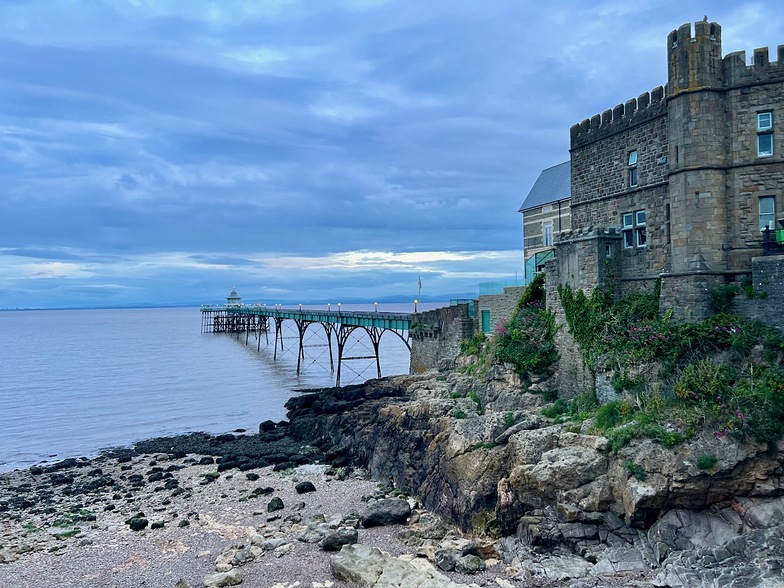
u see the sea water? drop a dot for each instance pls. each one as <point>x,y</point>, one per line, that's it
<point>74,382</point>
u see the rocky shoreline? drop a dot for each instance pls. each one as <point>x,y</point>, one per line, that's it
<point>497,496</point>
<point>168,513</point>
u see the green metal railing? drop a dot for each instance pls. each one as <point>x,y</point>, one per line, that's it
<point>381,320</point>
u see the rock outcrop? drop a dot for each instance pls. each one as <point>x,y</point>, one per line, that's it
<point>479,453</point>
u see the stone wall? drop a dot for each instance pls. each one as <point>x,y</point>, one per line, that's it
<point>500,306</point>
<point>768,282</point>
<point>588,258</point>
<point>436,335</point>
<point>572,377</point>
<point>601,194</point>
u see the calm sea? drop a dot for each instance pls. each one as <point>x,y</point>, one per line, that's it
<point>73,382</point>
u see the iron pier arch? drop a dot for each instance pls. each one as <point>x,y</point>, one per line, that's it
<point>247,319</point>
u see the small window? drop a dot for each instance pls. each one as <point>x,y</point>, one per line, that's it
<point>634,229</point>
<point>608,251</point>
<point>639,217</point>
<point>547,231</point>
<point>632,171</point>
<point>764,121</point>
<point>767,213</point>
<point>641,236</point>
<point>765,144</point>
<point>764,134</point>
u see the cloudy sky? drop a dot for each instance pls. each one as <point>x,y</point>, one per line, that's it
<point>164,151</point>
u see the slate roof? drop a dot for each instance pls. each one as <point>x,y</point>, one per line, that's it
<point>552,185</point>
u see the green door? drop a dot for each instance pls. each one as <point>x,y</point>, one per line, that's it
<point>485,321</point>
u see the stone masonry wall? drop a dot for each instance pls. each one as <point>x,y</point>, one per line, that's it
<point>587,259</point>
<point>601,194</point>
<point>571,375</point>
<point>437,334</point>
<point>768,281</point>
<point>757,176</point>
<point>501,306</point>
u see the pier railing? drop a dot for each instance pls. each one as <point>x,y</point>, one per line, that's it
<point>258,319</point>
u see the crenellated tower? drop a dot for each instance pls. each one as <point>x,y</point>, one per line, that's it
<point>683,183</point>
<point>698,248</point>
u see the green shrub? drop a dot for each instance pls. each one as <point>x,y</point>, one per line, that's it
<point>509,420</point>
<point>756,406</point>
<point>560,407</point>
<point>474,345</point>
<point>706,462</point>
<point>527,340</point>
<point>612,414</point>
<point>460,413</point>
<point>635,470</point>
<point>703,381</point>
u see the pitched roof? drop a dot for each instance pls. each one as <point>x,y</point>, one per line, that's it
<point>552,185</point>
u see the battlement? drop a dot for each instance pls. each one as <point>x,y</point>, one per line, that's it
<point>587,233</point>
<point>738,73</point>
<point>645,107</point>
<point>694,60</point>
<point>704,32</point>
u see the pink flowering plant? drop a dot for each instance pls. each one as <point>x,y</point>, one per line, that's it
<point>746,403</point>
<point>527,340</point>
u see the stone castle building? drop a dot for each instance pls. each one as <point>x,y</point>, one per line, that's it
<point>680,182</point>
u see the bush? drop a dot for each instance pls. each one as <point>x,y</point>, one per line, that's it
<point>757,406</point>
<point>703,381</point>
<point>706,462</point>
<point>527,340</point>
<point>474,345</point>
<point>612,414</point>
<point>558,408</point>
<point>635,470</point>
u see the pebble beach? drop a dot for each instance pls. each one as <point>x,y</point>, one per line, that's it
<point>173,519</point>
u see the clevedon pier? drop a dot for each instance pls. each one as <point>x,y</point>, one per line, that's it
<point>337,326</point>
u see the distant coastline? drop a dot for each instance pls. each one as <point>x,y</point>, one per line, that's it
<point>443,299</point>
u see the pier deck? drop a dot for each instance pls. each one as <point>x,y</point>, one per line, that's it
<point>247,319</point>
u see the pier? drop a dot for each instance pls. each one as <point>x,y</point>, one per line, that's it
<point>338,325</point>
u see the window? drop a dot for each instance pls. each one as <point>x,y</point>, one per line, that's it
<point>628,234</point>
<point>632,162</point>
<point>764,134</point>
<point>667,222</point>
<point>547,231</point>
<point>641,237</point>
<point>767,213</point>
<point>634,229</point>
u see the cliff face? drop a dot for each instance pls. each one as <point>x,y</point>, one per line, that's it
<point>478,452</point>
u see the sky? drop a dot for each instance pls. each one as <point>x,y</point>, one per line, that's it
<point>165,151</point>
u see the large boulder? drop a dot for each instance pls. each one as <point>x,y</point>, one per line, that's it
<point>372,568</point>
<point>388,511</point>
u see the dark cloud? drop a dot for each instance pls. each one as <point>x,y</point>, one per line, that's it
<point>148,150</point>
